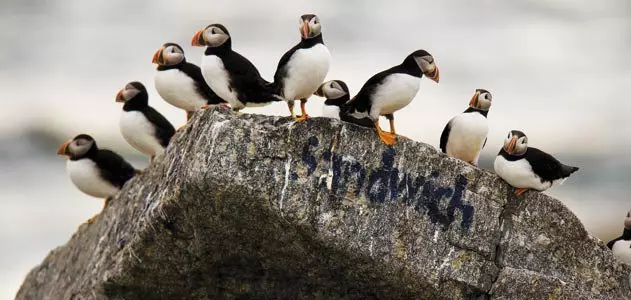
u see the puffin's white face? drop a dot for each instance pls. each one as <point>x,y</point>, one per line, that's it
<point>310,26</point>
<point>627,221</point>
<point>426,63</point>
<point>211,36</point>
<point>168,55</point>
<point>77,147</point>
<point>516,143</point>
<point>481,100</point>
<point>331,90</point>
<point>127,93</point>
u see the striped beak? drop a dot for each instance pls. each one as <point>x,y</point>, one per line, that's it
<point>435,76</point>
<point>198,39</point>
<point>511,145</point>
<point>474,100</point>
<point>119,97</point>
<point>63,149</point>
<point>158,57</point>
<point>305,29</point>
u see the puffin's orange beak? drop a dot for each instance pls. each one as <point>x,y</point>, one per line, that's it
<point>157,57</point>
<point>119,96</point>
<point>474,100</point>
<point>436,76</point>
<point>305,29</point>
<point>198,39</point>
<point>63,149</point>
<point>511,145</point>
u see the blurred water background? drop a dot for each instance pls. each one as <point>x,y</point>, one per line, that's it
<point>558,70</point>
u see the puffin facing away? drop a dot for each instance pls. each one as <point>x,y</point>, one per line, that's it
<point>391,90</point>
<point>621,246</point>
<point>526,168</point>
<point>336,94</point>
<point>142,126</point>
<point>181,83</point>
<point>303,68</point>
<point>465,135</point>
<point>97,172</point>
<point>231,76</point>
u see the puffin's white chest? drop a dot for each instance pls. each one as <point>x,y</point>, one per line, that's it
<point>179,90</point>
<point>467,135</point>
<point>519,174</point>
<point>140,133</point>
<point>87,178</point>
<point>331,111</point>
<point>218,79</point>
<point>306,70</point>
<point>395,92</point>
<point>622,250</point>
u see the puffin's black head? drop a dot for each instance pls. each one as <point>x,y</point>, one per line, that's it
<point>134,93</point>
<point>334,89</point>
<point>213,35</point>
<point>79,147</point>
<point>627,221</point>
<point>425,63</point>
<point>516,143</point>
<point>169,54</point>
<point>481,100</point>
<point>310,26</point>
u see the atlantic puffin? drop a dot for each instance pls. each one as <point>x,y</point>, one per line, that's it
<point>621,246</point>
<point>97,172</point>
<point>392,89</point>
<point>465,134</point>
<point>337,94</point>
<point>180,83</point>
<point>143,127</point>
<point>303,68</point>
<point>526,168</point>
<point>231,76</point>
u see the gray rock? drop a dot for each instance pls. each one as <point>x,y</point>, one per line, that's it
<point>262,207</point>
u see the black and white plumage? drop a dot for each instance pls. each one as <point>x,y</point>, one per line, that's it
<point>143,127</point>
<point>97,172</point>
<point>181,83</point>
<point>526,168</point>
<point>391,90</point>
<point>230,75</point>
<point>621,246</point>
<point>465,135</point>
<point>303,68</point>
<point>337,94</point>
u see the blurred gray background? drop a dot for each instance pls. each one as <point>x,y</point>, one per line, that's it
<point>558,70</point>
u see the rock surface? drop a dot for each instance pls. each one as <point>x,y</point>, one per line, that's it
<point>262,207</point>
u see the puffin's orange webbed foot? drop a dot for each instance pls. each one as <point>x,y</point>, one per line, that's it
<point>301,118</point>
<point>387,138</point>
<point>520,191</point>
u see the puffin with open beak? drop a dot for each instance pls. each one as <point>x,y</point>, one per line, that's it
<point>465,134</point>
<point>143,127</point>
<point>97,172</point>
<point>231,76</point>
<point>526,168</point>
<point>180,83</point>
<point>303,68</point>
<point>337,94</point>
<point>391,90</point>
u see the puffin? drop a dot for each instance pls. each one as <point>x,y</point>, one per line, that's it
<point>143,127</point>
<point>302,69</point>
<point>464,135</point>
<point>100,173</point>
<point>391,90</point>
<point>230,75</point>
<point>180,83</point>
<point>337,94</point>
<point>621,246</point>
<point>526,168</point>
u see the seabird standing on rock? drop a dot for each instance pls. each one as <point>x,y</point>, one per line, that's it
<point>231,76</point>
<point>391,90</point>
<point>142,126</point>
<point>621,246</point>
<point>97,172</point>
<point>465,134</point>
<point>303,68</point>
<point>526,168</point>
<point>337,94</point>
<point>181,83</point>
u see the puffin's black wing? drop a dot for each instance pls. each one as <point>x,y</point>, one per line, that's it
<point>610,244</point>
<point>164,129</point>
<point>362,101</point>
<point>444,137</point>
<point>281,69</point>
<point>546,166</point>
<point>246,79</point>
<point>113,167</point>
<point>203,89</point>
